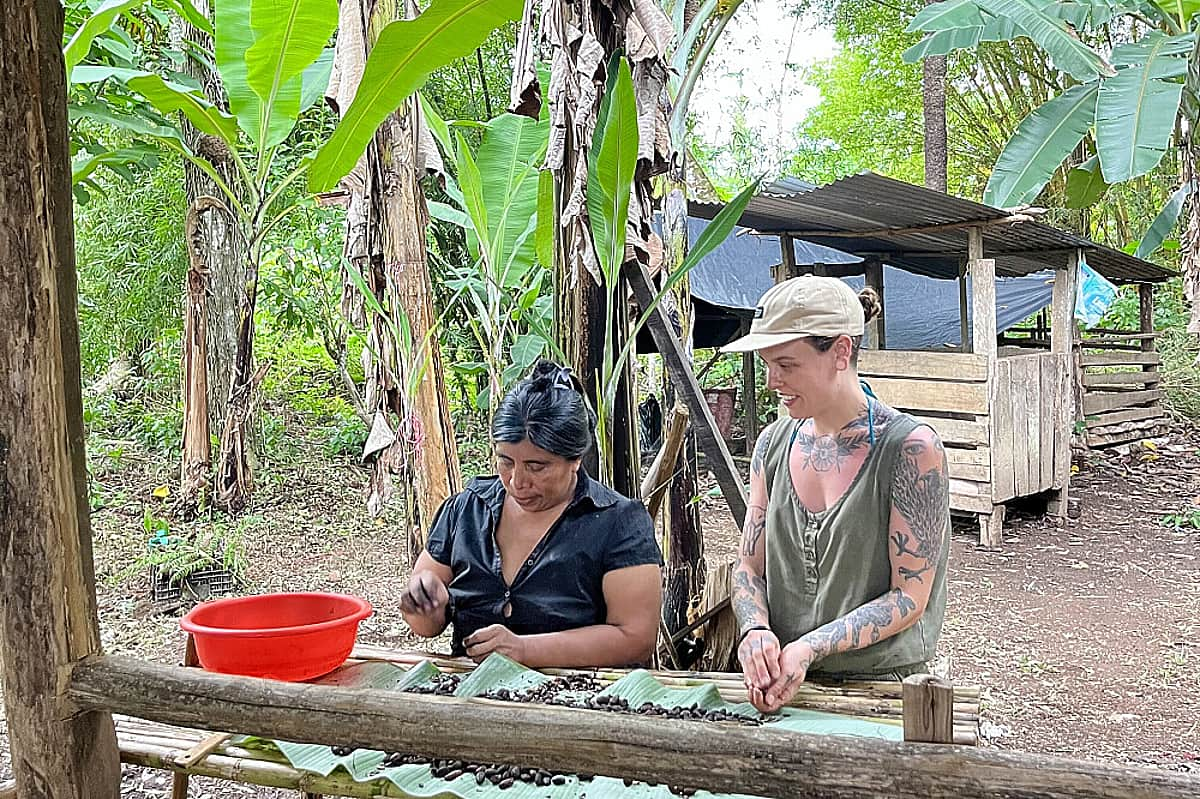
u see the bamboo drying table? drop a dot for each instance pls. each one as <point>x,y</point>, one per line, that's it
<point>197,752</point>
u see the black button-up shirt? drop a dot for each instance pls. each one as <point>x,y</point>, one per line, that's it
<point>560,585</point>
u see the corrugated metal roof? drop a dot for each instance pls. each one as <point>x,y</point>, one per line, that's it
<point>870,202</point>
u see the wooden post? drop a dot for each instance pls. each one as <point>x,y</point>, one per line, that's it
<point>749,394</point>
<point>707,435</point>
<point>48,615</point>
<point>877,327</point>
<point>1062,343</point>
<point>724,758</point>
<point>1146,319</point>
<point>983,342</point>
<point>928,703</point>
<point>787,250</point>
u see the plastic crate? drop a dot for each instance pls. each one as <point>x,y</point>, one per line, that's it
<point>200,584</point>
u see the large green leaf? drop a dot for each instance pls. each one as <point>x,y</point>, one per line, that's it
<point>315,80</point>
<point>1064,48</point>
<point>232,39</point>
<point>405,54</point>
<point>513,147</point>
<point>188,11</point>
<point>1164,223</point>
<point>108,115</point>
<point>946,41</point>
<point>544,237</point>
<point>1085,184</point>
<point>1136,109</point>
<point>947,15</point>
<point>290,35</point>
<point>101,20</point>
<point>611,163</point>
<point>1041,142</point>
<point>168,98</point>
<point>119,160</point>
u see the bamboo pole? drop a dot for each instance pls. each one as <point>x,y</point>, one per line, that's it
<point>759,761</point>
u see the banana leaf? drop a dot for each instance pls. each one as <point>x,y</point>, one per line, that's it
<point>289,37</point>
<point>946,41</point>
<point>101,20</point>
<point>1136,109</point>
<point>637,687</point>
<point>1041,142</point>
<point>947,15</point>
<point>168,98</point>
<point>406,53</point>
<point>1085,184</point>
<point>1164,222</point>
<point>611,163</point>
<point>1065,49</point>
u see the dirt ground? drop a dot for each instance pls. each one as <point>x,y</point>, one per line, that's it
<point>1083,636</point>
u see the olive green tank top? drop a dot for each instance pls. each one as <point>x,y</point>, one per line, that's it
<point>821,566</point>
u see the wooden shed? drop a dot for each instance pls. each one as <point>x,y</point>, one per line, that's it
<point>1005,413</point>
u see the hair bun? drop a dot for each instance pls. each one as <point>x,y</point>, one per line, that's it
<point>548,375</point>
<point>871,304</point>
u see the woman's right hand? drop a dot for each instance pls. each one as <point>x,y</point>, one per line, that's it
<point>759,655</point>
<point>426,595</point>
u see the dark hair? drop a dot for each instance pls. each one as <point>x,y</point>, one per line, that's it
<point>547,408</point>
<point>872,307</point>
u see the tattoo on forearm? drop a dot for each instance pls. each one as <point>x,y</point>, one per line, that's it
<point>861,627</point>
<point>752,532</point>
<point>749,599</point>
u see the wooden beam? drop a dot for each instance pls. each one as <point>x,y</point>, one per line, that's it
<point>1121,359</point>
<point>787,267</point>
<point>888,232</point>
<point>707,435</point>
<point>1100,402</point>
<point>753,760</point>
<point>964,344</point>
<point>1063,335</point>
<point>48,615</point>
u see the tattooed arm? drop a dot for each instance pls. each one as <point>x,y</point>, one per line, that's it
<point>920,508</point>
<point>759,649</point>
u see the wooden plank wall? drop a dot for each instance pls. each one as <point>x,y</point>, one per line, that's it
<point>949,392</point>
<point>1122,394</point>
<point>1026,412</point>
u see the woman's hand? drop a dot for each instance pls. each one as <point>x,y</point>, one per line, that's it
<point>759,655</point>
<point>495,638</point>
<point>426,595</point>
<point>794,661</point>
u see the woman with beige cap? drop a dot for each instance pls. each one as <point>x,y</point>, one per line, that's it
<point>843,564</point>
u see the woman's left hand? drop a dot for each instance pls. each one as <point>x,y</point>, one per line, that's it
<point>495,638</point>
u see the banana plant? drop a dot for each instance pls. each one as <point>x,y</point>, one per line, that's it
<point>1128,104</point>
<point>273,60</point>
<point>495,194</point>
<point>612,161</point>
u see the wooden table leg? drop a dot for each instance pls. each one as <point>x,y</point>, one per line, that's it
<point>179,781</point>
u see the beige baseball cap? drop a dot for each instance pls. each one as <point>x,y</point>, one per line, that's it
<point>799,307</point>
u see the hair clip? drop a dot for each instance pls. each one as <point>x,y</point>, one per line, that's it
<point>562,378</point>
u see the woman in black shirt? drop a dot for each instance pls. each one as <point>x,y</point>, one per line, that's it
<point>540,562</point>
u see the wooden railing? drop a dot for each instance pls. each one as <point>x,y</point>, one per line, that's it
<point>1119,386</point>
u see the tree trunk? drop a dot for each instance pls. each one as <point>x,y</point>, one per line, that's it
<point>221,251</point>
<point>47,586</point>
<point>196,468</point>
<point>406,390</point>
<point>933,91</point>
<point>235,471</point>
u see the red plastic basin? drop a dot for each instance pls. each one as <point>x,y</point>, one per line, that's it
<point>286,636</point>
